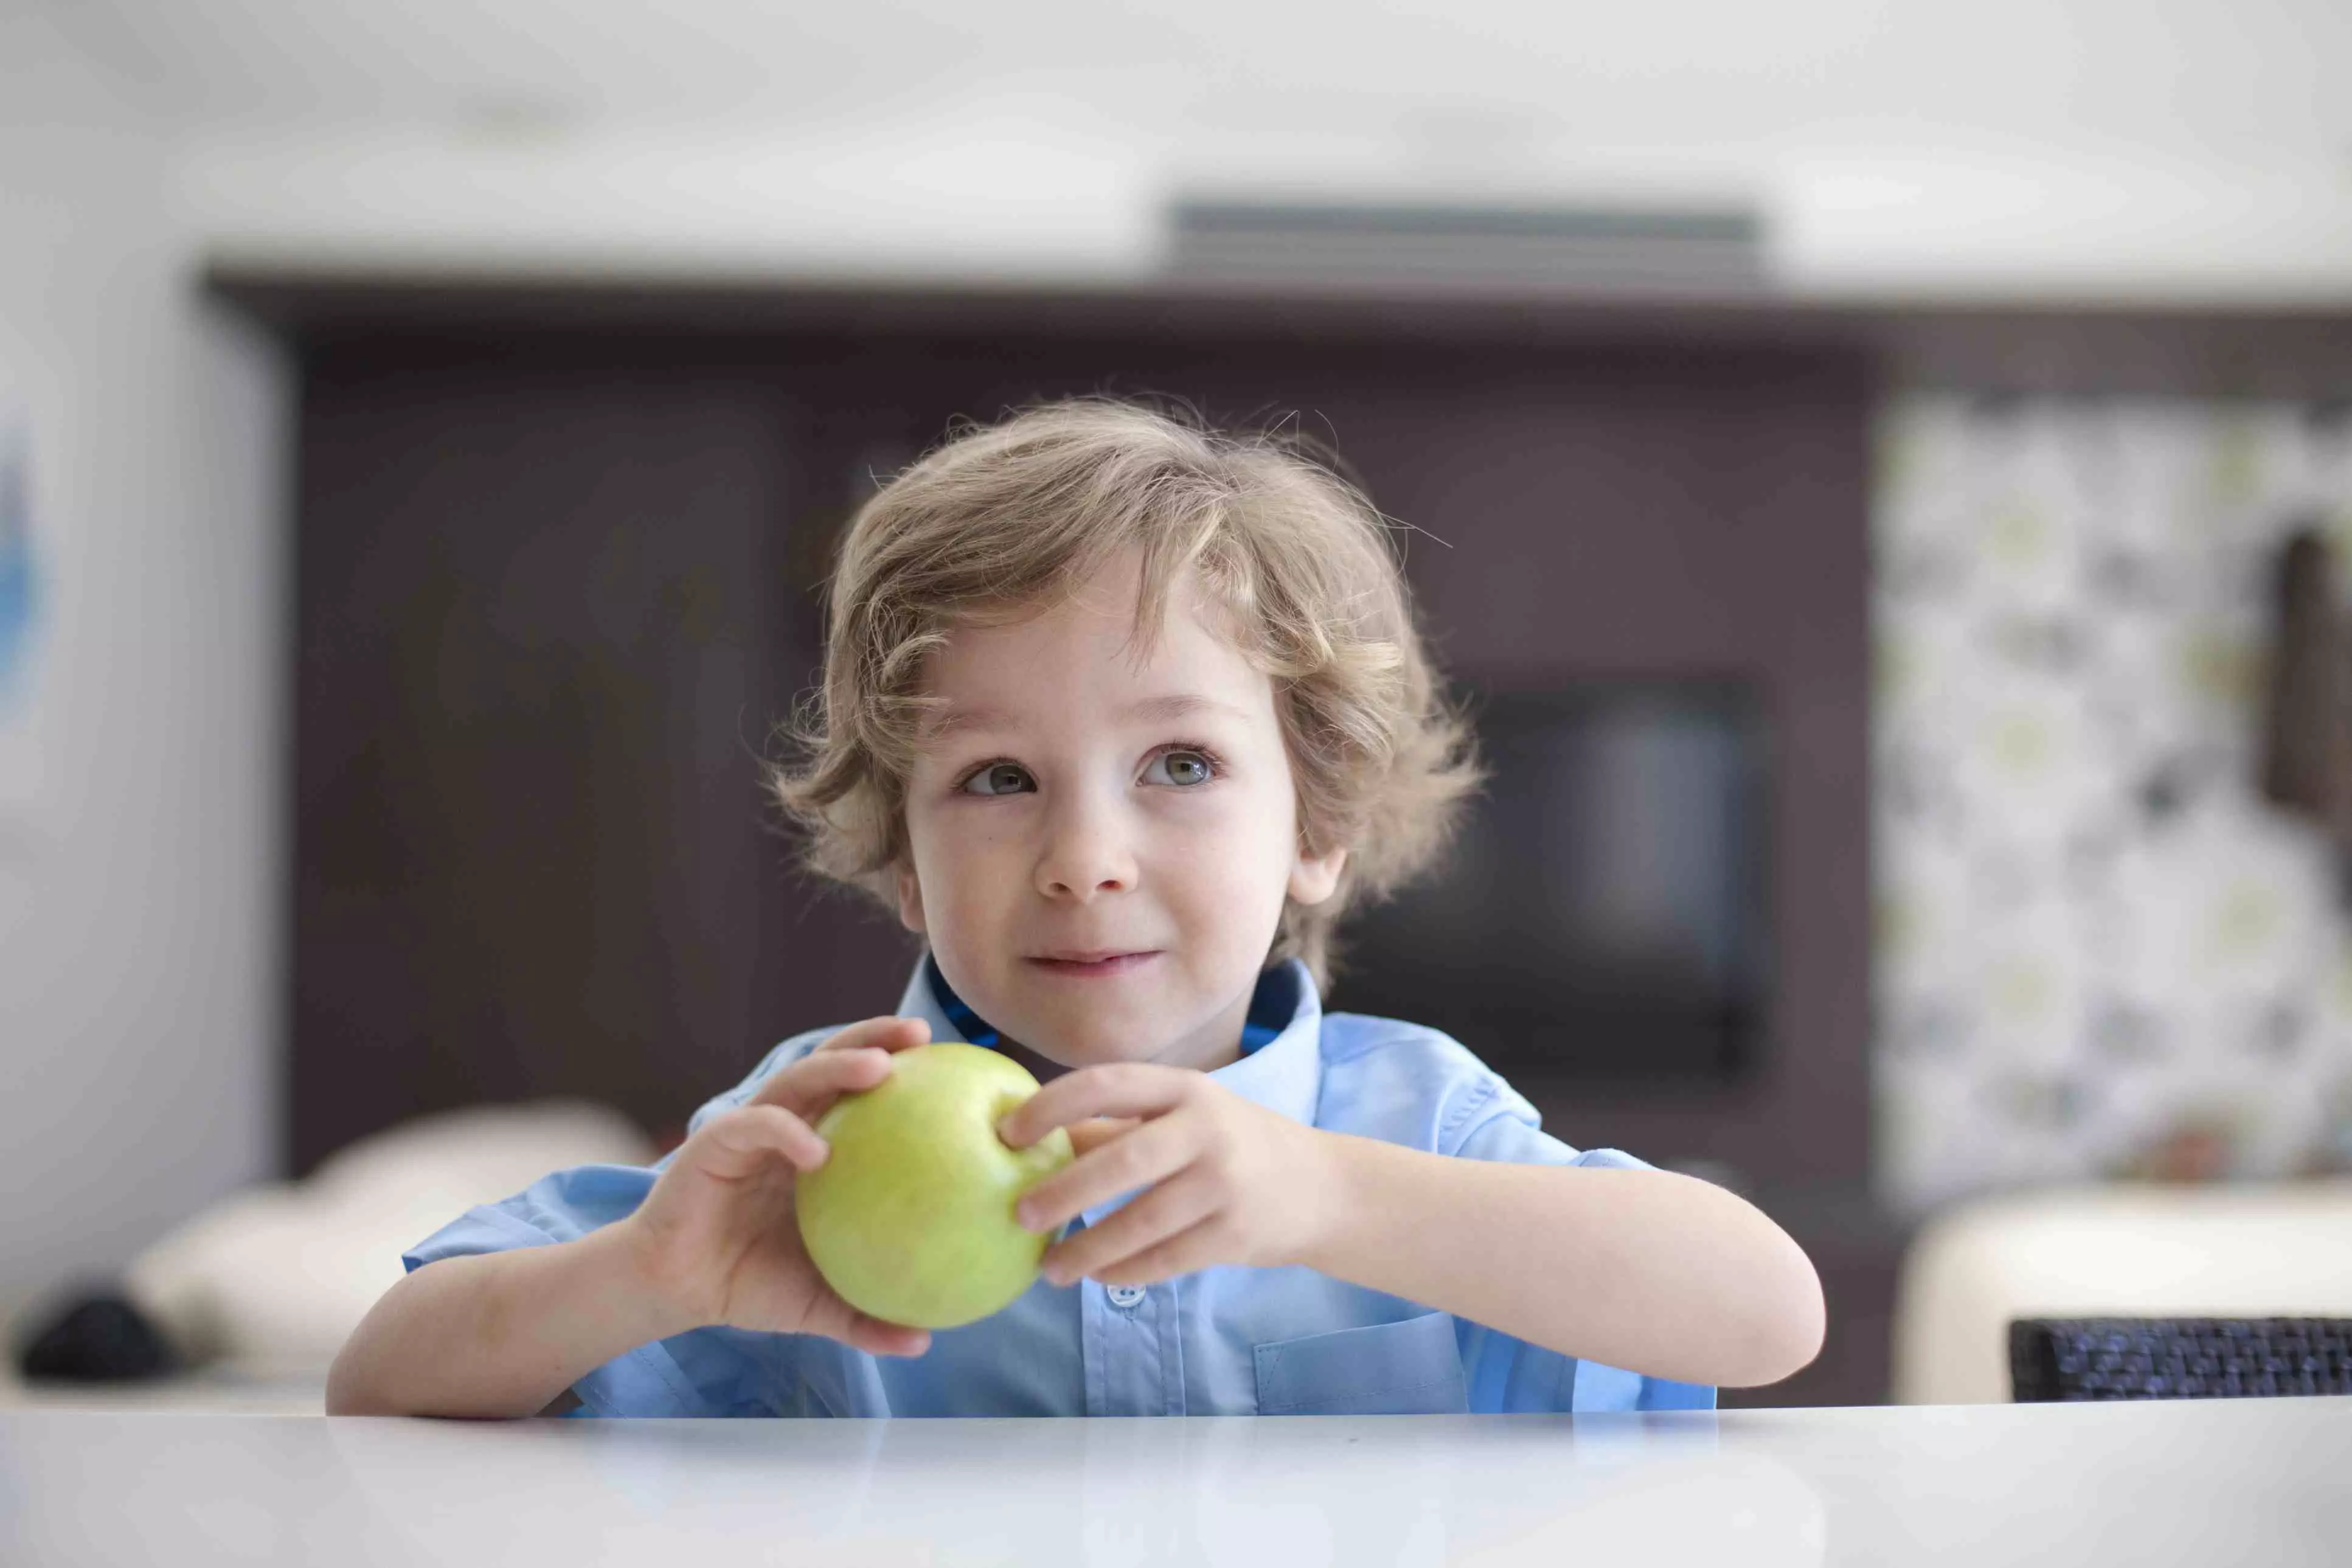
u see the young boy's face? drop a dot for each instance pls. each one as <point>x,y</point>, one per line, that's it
<point>1102,840</point>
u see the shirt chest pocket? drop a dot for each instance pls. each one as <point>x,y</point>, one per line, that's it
<point>1410,1368</point>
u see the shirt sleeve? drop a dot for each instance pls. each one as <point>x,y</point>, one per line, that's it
<point>1495,1121</point>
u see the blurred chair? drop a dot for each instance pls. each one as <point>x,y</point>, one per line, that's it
<point>256,1293</point>
<point>2139,1251</point>
<point>2053,1360</point>
<point>271,1280</point>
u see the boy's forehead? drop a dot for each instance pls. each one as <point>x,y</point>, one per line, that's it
<point>1072,664</point>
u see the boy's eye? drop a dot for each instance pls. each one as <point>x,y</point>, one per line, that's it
<point>1179,768</point>
<point>1000,778</point>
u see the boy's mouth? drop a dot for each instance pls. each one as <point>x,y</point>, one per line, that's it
<point>1087,964</point>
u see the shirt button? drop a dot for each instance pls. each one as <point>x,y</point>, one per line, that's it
<point>1126,1298</point>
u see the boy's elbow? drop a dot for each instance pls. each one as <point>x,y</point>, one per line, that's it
<point>1787,1327</point>
<point>341,1400</point>
<point>1804,1329</point>
<point>363,1380</point>
<point>347,1392</point>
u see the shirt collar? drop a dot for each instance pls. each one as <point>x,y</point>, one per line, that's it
<point>1285,1074</point>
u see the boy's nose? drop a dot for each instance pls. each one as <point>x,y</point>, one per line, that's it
<point>1083,854</point>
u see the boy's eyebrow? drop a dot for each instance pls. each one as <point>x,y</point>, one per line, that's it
<point>1177,705</point>
<point>956,721</point>
<point>944,721</point>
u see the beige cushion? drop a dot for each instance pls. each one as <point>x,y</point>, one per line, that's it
<point>274,1279</point>
<point>2140,1251</point>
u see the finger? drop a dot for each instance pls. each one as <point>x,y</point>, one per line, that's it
<point>1086,1137</point>
<point>829,1315</point>
<point>1204,1246</point>
<point>749,1137</point>
<point>812,1083</point>
<point>1167,1210</point>
<point>1125,1089</point>
<point>872,1335</point>
<point>1152,1152</point>
<point>886,1033</point>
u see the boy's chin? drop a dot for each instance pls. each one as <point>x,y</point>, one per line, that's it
<point>1143,1019</point>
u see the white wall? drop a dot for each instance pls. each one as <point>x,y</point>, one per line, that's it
<point>140,788</point>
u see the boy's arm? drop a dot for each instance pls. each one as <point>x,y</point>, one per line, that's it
<point>503,1333</point>
<point>715,1242</point>
<point>1654,1272</point>
<point>1651,1272</point>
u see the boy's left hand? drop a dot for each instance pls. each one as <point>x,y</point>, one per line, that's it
<point>1230,1182</point>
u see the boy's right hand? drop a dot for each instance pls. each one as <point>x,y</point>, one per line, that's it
<point>717,1237</point>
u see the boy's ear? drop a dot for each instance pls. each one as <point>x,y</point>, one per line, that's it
<point>910,900</point>
<point>1316,877</point>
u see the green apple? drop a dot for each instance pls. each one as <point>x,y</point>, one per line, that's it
<point>911,1218</point>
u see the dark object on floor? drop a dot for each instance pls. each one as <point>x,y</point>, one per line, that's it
<point>99,1336</point>
<point>2177,1358</point>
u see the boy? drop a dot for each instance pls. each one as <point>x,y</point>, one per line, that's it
<point>1119,715</point>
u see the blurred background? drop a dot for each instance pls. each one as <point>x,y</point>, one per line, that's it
<point>1854,450</point>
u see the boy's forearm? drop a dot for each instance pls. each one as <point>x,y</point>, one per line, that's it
<point>1657,1273</point>
<point>501,1334</point>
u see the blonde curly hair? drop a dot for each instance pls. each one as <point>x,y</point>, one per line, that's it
<point>1002,519</point>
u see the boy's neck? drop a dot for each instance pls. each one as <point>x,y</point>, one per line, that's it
<point>1044,1069</point>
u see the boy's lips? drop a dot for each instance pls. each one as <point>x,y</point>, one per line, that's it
<point>1081,963</point>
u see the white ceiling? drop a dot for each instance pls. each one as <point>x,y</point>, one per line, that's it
<point>2045,149</point>
<point>2235,81</point>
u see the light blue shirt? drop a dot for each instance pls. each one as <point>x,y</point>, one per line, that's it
<point>1223,1341</point>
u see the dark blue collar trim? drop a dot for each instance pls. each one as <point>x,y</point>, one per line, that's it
<point>1272,1006</point>
<point>975,1029</point>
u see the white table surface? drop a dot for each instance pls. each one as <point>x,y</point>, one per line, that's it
<point>2247,1481</point>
